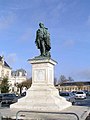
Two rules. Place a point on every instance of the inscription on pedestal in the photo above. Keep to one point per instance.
(39, 75)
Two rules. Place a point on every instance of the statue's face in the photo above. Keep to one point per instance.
(41, 25)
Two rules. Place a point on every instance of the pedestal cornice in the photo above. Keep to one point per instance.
(42, 60)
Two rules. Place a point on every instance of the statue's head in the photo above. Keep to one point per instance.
(41, 25)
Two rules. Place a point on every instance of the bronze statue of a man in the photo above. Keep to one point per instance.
(43, 40)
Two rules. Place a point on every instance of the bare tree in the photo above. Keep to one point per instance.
(62, 79)
(55, 81)
(70, 79)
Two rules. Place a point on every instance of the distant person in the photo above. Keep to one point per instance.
(43, 41)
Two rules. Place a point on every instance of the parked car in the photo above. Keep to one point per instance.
(74, 92)
(8, 98)
(88, 93)
(80, 95)
(0, 98)
(69, 96)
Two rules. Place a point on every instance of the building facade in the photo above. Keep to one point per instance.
(5, 69)
(14, 77)
(17, 77)
(74, 86)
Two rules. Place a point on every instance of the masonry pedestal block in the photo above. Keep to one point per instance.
(42, 95)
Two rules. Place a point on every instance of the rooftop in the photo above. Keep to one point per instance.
(5, 63)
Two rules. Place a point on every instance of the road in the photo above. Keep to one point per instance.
(80, 109)
(81, 102)
(84, 102)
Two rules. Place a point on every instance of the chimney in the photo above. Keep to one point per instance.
(3, 59)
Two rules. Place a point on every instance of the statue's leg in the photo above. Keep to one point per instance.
(48, 54)
(43, 49)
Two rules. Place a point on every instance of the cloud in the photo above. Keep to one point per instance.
(6, 19)
(26, 35)
(11, 58)
(84, 74)
(68, 43)
(58, 9)
(2, 53)
(55, 10)
(88, 20)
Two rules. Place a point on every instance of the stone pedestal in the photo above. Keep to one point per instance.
(42, 95)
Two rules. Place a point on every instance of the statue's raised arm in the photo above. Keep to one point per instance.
(43, 41)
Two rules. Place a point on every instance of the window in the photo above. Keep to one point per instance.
(2, 73)
(7, 74)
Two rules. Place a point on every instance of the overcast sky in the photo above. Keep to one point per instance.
(68, 22)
